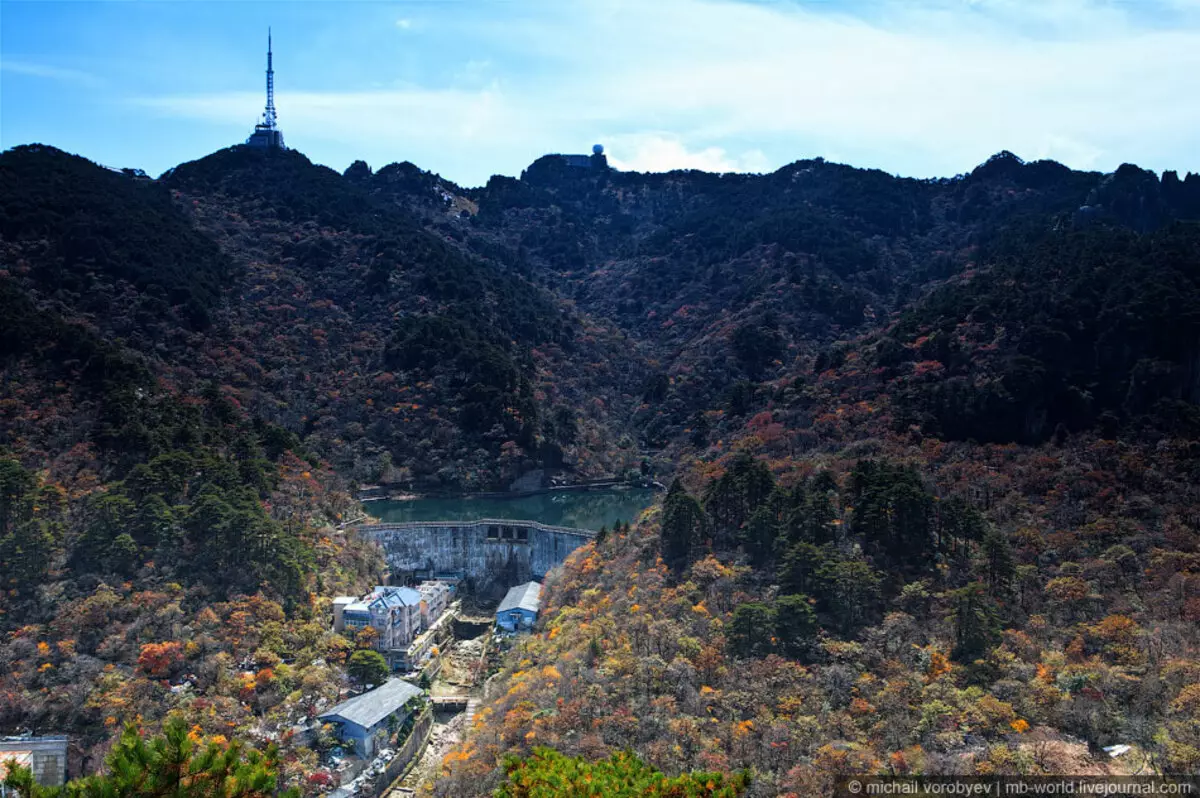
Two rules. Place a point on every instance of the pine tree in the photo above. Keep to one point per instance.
(752, 632)
(172, 765)
(758, 537)
(850, 590)
(1001, 568)
(547, 772)
(976, 622)
(795, 625)
(682, 526)
(368, 667)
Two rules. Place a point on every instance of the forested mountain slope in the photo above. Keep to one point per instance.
(423, 361)
(150, 528)
(394, 352)
(958, 537)
(934, 445)
(735, 280)
(186, 393)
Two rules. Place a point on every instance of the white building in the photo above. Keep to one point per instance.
(435, 599)
(399, 615)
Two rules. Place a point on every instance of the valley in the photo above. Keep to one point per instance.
(929, 450)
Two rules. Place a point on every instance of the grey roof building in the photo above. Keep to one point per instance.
(364, 718)
(520, 607)
(45, 756)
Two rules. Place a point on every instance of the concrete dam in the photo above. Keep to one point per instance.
(489, 555)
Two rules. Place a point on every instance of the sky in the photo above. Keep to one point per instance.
(471, 88)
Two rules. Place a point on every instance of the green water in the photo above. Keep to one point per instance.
(583, 509)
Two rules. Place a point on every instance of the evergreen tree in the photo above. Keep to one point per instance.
(849, 590)
(801, 564)
(169, 766)
(15, 485)
(682, 526)
(752, 631)
(30, 524)
(759, 535)
(730, 500)
(812, 520)
(976, 622)
(724, 508)
(893, 512)
(546, 772)
(958, 522)
(756, 345)
(795, 625)
(1001, 568)
(368, 667)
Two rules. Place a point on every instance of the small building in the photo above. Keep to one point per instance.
(355, 617)
(435, 598)
(520, 607)
(417, 655)
(420, 652)
(451, 581)
(597, 160)
(399, 616)
(363, 721)
(45, 756)
(339, 611)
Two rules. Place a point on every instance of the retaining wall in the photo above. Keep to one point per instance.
(490, 555)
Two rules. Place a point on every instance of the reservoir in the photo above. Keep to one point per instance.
(579, 509)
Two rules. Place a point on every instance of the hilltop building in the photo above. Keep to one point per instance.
(520, 607)
(597, 160)
(267, 134)
(552, 168)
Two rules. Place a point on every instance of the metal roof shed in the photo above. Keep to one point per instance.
(363, 717)
(520, 607)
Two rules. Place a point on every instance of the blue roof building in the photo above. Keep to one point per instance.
(363, 720)
(520, 607)
(356, 616)
(395, 615)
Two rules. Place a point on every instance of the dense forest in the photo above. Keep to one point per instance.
(931, 448)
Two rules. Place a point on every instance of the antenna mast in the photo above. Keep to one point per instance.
(266, 134)
(269, 116)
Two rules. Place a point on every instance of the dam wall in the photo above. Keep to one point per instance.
(489, 555)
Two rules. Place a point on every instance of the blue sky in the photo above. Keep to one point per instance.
(469, 89)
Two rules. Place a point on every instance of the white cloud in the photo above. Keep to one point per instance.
(454, 117)
(1065, 150)
(51, 72)
(404, 24)
(648, 152)
(928, 87)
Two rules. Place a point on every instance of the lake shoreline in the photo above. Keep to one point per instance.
(365, 498)
(589, 506)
